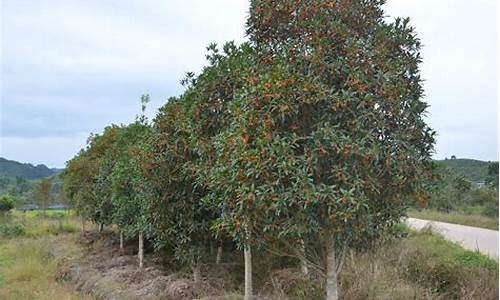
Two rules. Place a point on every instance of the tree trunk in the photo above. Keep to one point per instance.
(218, 258)
(303, 259)
(121, 241)
(140, 253)
(83, 225)
(331, 269)
(196, 273)
(101, 227)
(248, 273)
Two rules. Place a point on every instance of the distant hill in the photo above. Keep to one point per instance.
(474, 170)
(11, 168)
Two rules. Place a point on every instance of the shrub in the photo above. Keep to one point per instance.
(6, 203)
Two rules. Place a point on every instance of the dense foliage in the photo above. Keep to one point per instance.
(6, 203)
(451, 191)
(311, 133)
(471, 169)
(20, 181)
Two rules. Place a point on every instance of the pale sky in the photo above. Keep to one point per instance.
(71, 67)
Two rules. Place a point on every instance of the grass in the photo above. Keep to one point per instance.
(448, 269)
(421, 266)
(28, 268)
(51, 214)
(456, 218)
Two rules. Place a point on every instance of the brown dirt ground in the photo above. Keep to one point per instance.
(104, 272)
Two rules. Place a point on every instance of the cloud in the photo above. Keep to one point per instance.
(71, 67)
(460, 72)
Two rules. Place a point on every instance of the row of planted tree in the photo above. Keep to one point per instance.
(310, 134)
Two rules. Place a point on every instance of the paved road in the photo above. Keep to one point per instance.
(472, 238)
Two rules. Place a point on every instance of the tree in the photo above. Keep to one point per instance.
(21, 187)
(327, 140)
(179, 218)
(84, 181)
(210, 95)
(130, 189)
(461, 186)
(42, 193)
(492, 177)
(6, 203)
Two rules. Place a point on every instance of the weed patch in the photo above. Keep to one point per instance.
(11, 230)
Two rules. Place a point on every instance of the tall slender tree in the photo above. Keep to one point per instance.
(42, 193)
(176, 213)
(130, 189)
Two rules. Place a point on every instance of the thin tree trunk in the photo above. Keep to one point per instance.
(140, 253)
(248, 273)
(303, 260)
(101, 227)
(121, 241)
(196, 273)
(83, 225)
(331, 269)
(218, 258)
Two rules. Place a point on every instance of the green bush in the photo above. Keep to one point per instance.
(481, 196)
(469, 259)
(6, 203)
(398, 231)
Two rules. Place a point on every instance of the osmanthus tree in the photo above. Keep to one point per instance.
(327, 139)
(130, 189)
(103, 187)
(82, 177)
(254, 181)
(208, 96)
(77, 185)
(176, 213)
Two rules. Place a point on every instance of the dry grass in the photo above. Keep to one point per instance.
(28, 271)
(28, 267)
(421, 266)
(456, 218)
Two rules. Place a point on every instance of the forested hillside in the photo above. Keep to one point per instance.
(471, 169)
(11, 168)
(20, 181)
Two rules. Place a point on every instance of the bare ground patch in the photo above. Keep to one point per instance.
(104, 272)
